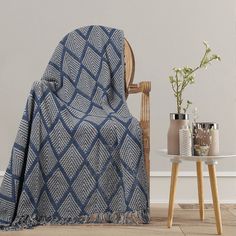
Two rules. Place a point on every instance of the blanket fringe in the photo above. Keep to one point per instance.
(30, 221)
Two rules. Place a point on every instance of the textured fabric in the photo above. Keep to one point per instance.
(78, 155)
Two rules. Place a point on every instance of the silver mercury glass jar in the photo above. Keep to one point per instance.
(206, 136)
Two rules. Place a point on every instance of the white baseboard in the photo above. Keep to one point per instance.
(191, 201)
(191, 174)
(187, 187)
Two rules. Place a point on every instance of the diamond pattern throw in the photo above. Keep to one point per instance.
(78, 155)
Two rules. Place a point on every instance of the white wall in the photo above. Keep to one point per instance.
(163, 34)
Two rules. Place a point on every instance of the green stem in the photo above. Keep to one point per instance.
(177, 93)
(203, 58)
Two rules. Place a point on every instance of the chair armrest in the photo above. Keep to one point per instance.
(144, 88)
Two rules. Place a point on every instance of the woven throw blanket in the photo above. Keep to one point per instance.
(78, 155)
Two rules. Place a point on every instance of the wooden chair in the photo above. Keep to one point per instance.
(144, 88)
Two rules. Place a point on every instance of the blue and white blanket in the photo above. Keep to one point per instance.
(78, 155)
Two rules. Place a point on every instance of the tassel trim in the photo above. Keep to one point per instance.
(30, 221)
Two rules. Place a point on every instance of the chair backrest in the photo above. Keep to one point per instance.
(129, 66)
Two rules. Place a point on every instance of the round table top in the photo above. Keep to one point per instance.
(163, 153)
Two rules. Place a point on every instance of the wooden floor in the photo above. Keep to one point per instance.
(186, 222)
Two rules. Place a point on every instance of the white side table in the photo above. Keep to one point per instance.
(210, 161)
